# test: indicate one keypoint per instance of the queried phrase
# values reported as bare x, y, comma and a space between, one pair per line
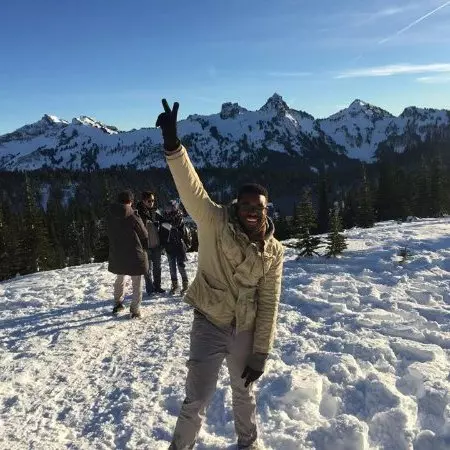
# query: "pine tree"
282, 230
422, 196
324, 207
404, 194
307, 244
306, 214
101, 242
100, 245
294, 225
350, 209
56, 218
336, 240
438, 189
34, 250
386, 198
4, 253
75, 246
11, 255
365, 214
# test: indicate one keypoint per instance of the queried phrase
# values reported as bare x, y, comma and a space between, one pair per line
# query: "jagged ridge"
231, 138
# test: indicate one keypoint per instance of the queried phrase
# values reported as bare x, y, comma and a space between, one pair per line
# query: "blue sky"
115, 59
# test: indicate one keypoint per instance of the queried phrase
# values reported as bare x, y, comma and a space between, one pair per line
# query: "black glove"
167, 121
250, 375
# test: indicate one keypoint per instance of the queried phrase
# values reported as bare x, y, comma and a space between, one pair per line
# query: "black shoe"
118, 307
135, 314
184, 288
173, 290
159, 290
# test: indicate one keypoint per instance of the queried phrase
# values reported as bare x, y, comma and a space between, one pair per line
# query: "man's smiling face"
252, 211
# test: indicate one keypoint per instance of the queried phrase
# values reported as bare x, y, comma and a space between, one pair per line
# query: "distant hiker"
152, 217
128, 242
235, 294
175, 239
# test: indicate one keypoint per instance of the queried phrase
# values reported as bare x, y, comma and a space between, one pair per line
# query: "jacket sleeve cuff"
174, 153
257, 361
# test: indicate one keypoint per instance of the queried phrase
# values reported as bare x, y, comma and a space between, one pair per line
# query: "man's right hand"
167, 121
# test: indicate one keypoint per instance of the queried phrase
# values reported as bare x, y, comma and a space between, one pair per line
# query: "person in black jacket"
152, 217
174, 235
128, 242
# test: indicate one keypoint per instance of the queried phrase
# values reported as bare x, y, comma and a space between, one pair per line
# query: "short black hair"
125, 197
252, 188
147, 195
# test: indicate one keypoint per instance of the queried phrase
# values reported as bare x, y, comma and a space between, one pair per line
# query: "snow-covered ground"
361, 359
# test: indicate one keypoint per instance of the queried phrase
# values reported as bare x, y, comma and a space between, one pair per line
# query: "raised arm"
192, 193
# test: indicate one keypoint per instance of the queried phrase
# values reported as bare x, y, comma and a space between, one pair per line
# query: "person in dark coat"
152, 217
174, 236
128, 243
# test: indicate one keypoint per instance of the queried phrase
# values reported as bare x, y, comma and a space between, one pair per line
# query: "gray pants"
210, 345
119, 289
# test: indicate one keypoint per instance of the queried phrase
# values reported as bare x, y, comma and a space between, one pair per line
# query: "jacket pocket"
214, 299
212, 286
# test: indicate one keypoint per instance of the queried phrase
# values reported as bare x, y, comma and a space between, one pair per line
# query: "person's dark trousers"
177, 260
153, 277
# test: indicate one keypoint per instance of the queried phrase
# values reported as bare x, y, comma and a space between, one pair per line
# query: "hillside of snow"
361, 357
231, 138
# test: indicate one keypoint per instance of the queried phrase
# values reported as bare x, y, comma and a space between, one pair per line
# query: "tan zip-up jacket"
235, 281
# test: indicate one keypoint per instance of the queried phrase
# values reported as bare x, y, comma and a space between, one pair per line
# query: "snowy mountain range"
231, 138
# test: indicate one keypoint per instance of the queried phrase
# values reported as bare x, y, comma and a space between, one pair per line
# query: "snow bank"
361, 358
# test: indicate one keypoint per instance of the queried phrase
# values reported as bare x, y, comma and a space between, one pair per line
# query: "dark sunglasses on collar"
251, 209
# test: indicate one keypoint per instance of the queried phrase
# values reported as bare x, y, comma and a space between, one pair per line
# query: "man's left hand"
250, 375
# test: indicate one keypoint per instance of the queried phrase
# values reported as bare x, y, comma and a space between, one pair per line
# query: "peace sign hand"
167, 121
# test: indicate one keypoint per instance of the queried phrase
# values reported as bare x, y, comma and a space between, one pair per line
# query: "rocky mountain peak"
275, 103
231, 110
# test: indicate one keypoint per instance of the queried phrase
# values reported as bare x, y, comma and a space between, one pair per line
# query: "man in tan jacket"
235, 294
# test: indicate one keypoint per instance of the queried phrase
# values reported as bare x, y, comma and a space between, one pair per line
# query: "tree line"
50, 219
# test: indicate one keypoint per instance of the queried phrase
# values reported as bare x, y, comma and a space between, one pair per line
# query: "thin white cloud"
387, 12
415, 22
434, 80
395, 69
289, 74
390, 11
358, 18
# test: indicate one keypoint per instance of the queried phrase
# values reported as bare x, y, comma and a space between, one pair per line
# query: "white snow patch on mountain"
361, 127
56, 119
